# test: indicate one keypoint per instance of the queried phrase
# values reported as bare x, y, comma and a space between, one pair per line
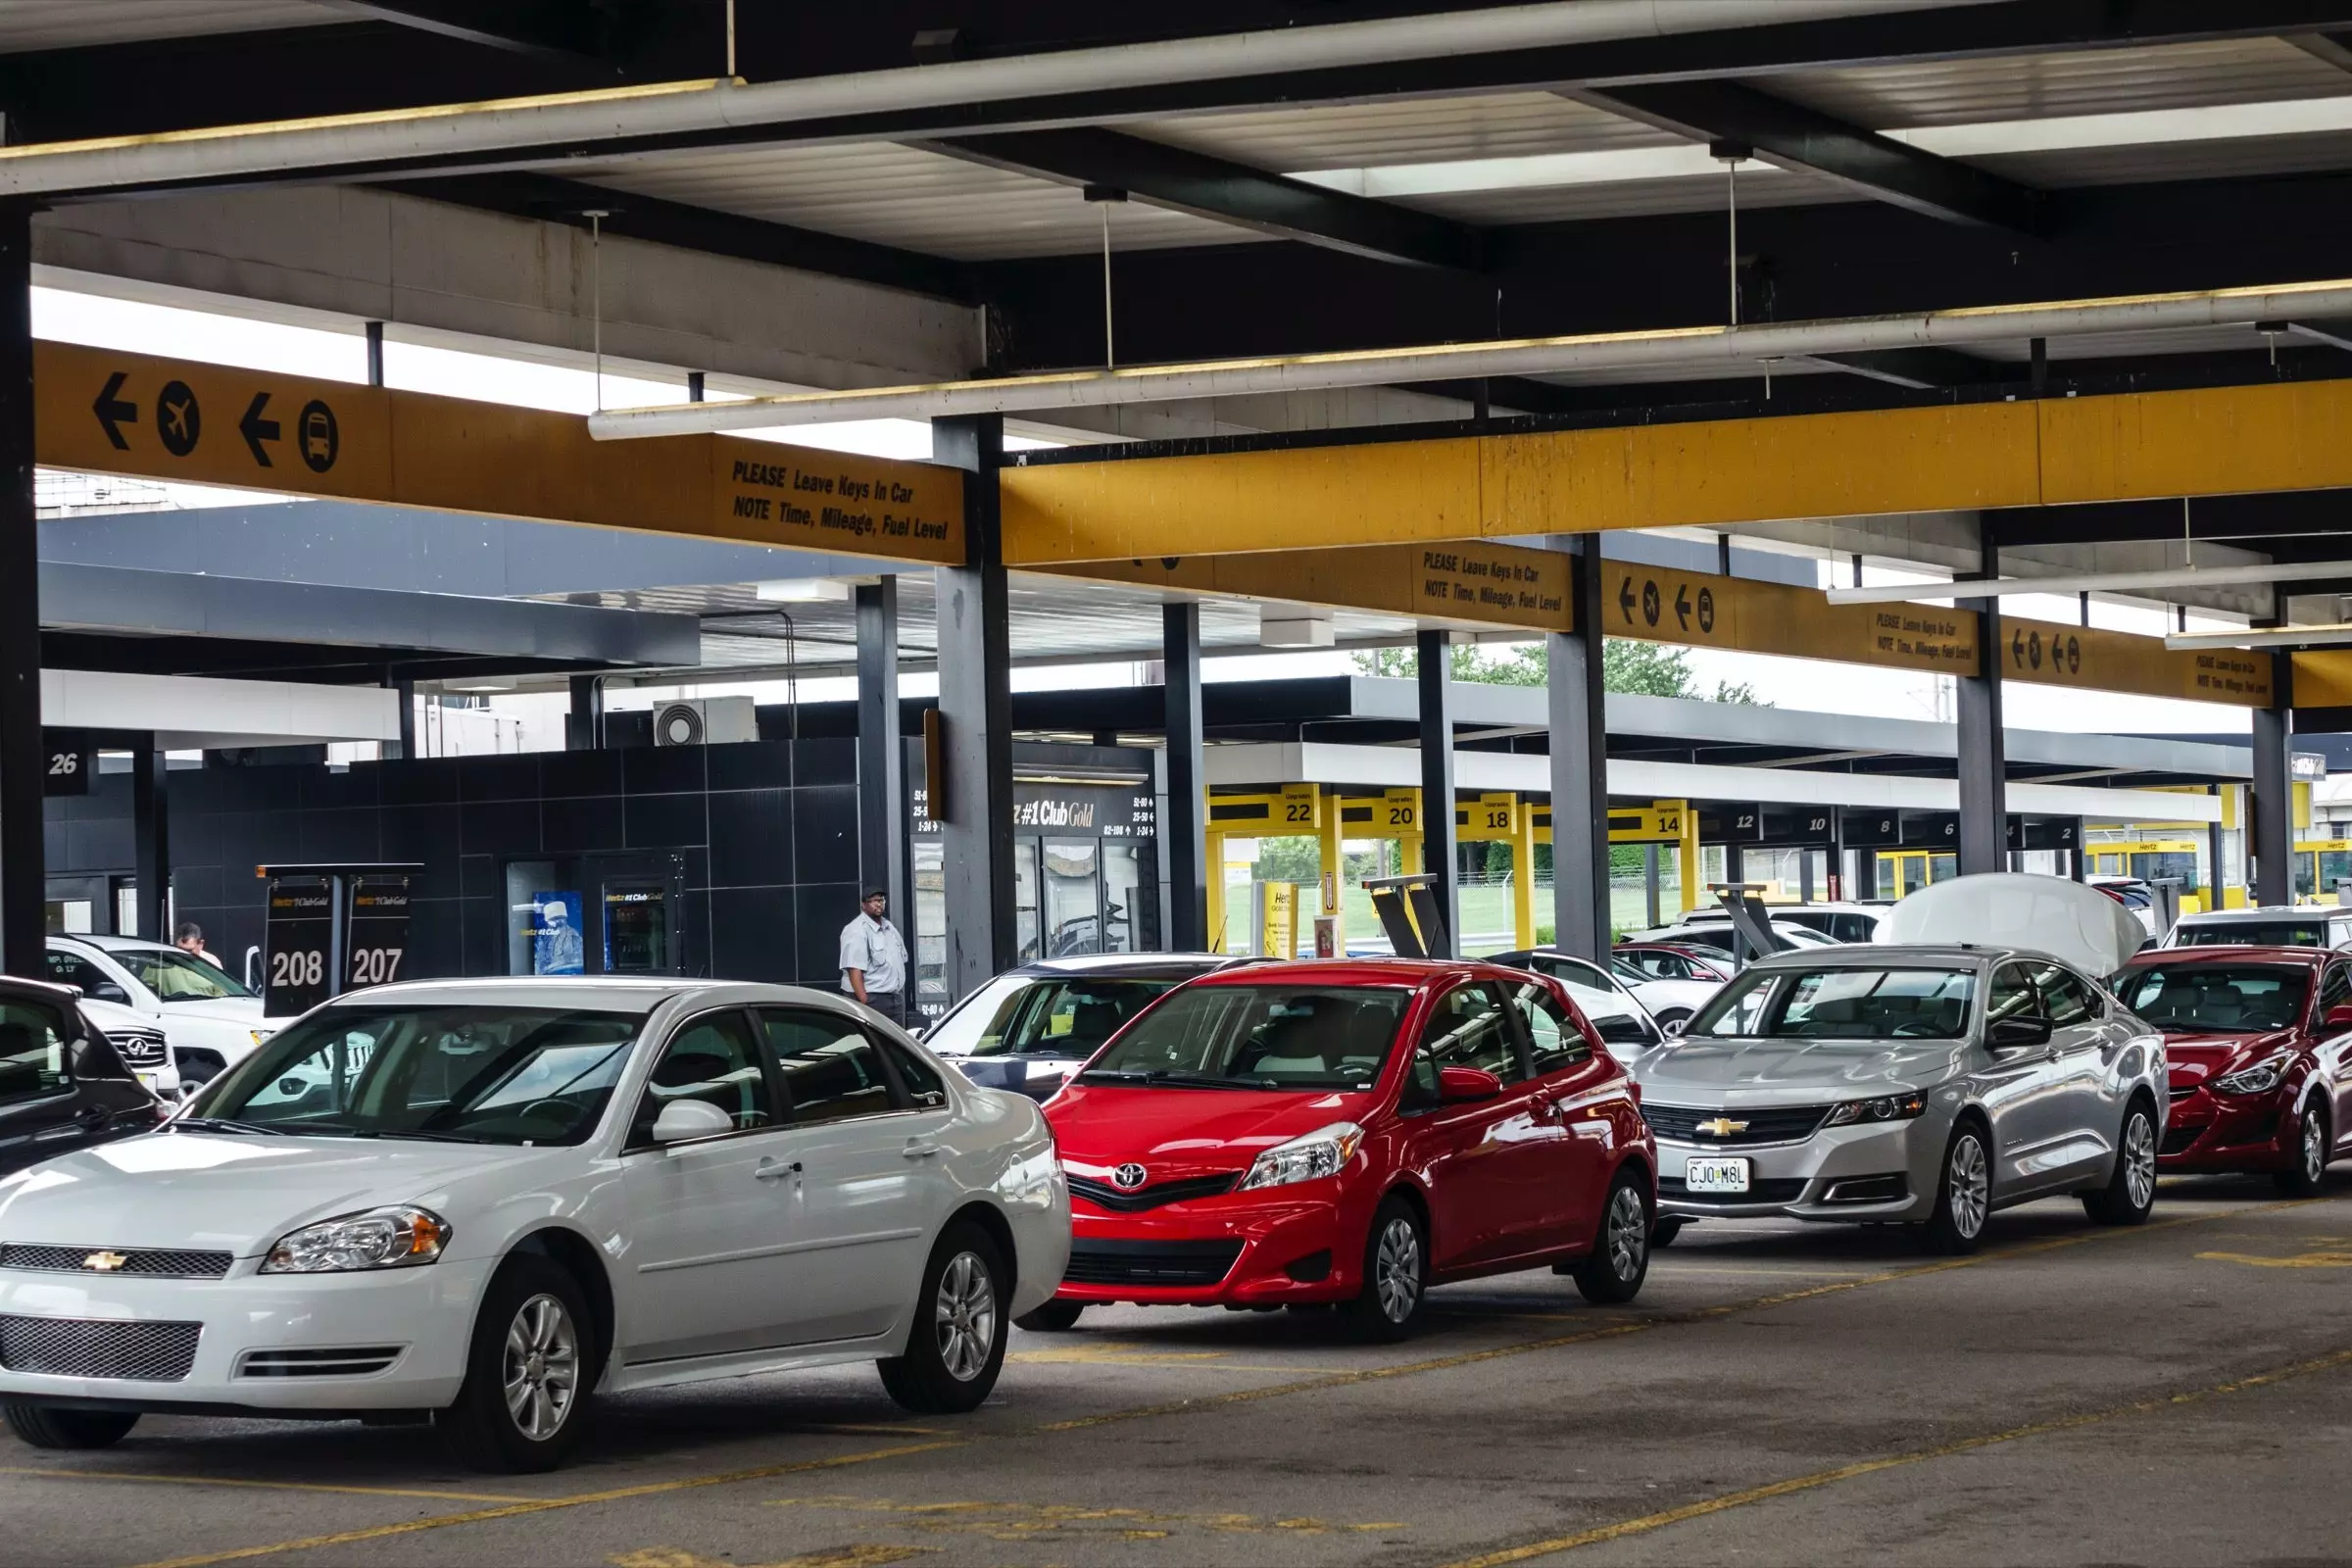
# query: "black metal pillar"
23, 883
2216, 880
151, 842
2273, 836
375, 352
975, 712
2079, 861
1983, 765
586, 730
404, 694
1865, 883
1185, 829
1580, 770
881, 753
1434, 669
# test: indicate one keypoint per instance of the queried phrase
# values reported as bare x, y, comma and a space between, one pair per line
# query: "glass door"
1074, 896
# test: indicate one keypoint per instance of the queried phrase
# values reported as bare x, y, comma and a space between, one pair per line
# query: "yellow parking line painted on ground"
2299, 1261
262, 1485
862, 1555
1825, 1478
650, 1488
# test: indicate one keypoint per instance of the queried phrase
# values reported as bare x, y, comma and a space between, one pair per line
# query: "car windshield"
2253, 934
1259, 1037
2216, 999
463, 1073
1066, 1018
1840, 1003
175, 976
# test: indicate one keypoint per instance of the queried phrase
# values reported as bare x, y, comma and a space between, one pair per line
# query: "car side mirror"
1460, 1085
108, 991
684, 1121
2338, 1016
2019, 1034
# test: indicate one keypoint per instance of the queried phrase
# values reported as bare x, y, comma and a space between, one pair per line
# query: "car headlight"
2259, 1079
1325, 1152
1891, 1108
398, 1237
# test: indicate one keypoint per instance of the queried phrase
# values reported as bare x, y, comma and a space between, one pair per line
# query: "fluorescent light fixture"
2263, 637
1616, 166
1293, 626
807, 590
2100, 582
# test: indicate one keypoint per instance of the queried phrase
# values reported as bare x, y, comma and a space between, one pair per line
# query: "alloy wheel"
1970, 1184
2139, 1160
542, 1367
1628, 1233
965, 1315
1396, 1269
2315, 1147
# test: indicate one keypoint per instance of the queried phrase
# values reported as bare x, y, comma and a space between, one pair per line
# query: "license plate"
1715, 1175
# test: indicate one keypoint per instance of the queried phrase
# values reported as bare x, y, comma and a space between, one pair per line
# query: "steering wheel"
561, 1111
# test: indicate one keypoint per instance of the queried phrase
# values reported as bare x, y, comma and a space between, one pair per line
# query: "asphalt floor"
2177, 1393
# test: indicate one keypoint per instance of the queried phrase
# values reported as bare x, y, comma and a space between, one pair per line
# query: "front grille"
2177, 1140
1765, 1190
137, 1262
1771, 1124
1159, 1263
1104, 1196
91, 1348
357, 1362
137, 1047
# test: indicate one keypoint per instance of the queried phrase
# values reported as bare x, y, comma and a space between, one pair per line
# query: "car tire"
1667, 1228
1672, 1015
1963, 1193
956, 1345
1396, 1286
1055, 1317
533, 1362
46, 1426
2131, 1191
2307, 1177
1620, 1259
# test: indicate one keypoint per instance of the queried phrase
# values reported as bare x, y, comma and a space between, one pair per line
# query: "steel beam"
561, 28
1183, 832
2271, 803
882, 823
974, 789
151, 840
1983, 771
1579, 780
1434, 672
23, 886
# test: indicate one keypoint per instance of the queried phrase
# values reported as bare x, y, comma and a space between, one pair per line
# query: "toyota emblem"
1127, 1178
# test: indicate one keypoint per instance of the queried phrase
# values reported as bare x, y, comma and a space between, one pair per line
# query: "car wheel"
523, 1407
1396, 1274
955, 1346
2131, 1193
1620, 1259
1663, 1231
1055, 1317
46, 1426
2308, 1175
1964, 1196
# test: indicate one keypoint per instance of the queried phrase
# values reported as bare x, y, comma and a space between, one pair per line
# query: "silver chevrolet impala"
1924, 1085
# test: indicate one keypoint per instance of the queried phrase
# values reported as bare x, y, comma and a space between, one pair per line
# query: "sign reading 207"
174, 418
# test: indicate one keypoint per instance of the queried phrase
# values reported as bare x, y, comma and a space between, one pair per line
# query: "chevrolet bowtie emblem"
104, 1263
1722, 1127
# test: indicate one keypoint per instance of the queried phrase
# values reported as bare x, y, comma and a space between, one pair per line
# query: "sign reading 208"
178, 418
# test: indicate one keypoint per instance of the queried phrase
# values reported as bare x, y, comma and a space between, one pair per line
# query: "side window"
832, 1068
917, 1077
2012, 995
2065, 996
1616, 1016
1554, 1040
1467, 1029
32, 1054
73, 969
712, 1059
2336, 988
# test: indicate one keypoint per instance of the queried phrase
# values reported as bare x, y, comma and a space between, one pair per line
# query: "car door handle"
770, 1170
920, 1150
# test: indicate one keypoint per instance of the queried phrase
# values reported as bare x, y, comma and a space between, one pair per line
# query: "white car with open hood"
1968, 1060
488, 1199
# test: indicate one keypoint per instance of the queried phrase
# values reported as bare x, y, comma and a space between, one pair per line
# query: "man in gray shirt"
873, 960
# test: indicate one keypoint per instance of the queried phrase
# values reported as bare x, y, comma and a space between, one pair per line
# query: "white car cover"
2065, 919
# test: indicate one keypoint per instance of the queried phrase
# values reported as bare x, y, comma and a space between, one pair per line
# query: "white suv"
209, 1019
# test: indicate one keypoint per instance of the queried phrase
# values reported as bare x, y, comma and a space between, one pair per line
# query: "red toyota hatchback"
2259, 1042
1349, 1134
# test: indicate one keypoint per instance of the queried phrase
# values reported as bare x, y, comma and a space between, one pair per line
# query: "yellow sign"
2098, 660
1708, 611
1278, 920
1658, 823
1394, 813
98, 410
1486, 584
1293, 812
1490, 816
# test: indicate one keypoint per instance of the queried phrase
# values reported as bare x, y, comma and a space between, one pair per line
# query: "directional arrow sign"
1682, 605
114, 412
2017, 648
1625, 599
256, 429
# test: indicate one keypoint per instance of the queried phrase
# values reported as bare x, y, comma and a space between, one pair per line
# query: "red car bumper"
2209, 1132
1260, 1248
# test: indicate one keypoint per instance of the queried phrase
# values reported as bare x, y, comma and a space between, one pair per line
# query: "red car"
2259, 1041
1348, 1134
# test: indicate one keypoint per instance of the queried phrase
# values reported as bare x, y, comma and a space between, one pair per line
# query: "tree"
1641, 668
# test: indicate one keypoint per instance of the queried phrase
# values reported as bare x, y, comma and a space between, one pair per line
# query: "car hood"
246, 1011
234, 1193
1178, 1131
2193, 1058
1038, 1077
1759, 1071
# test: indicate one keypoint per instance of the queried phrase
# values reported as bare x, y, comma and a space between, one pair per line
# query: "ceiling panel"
2242, 156
1418, 130
1632, 198
27, 25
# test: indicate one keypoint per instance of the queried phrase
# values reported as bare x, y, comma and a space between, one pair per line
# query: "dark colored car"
1029, 1028
2259, 1045
63, 1086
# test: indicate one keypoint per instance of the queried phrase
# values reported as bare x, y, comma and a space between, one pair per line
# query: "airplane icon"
178, 421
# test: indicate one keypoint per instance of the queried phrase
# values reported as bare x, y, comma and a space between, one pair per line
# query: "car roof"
2276, 911
1142, 966
1357, 972
1896, 956
2231, 952
107, 944
590, 993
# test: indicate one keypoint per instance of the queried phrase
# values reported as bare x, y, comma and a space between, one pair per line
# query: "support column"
2271, 803
1332, 857
1434, 668
1866, 874
881, 755
1212, 860
1185, 832
1649, 884
151, 846
586, 731
975, 712
1523, 873
1580, 768
404, 692
1686, 860
24, 886
2213, 854
1983, 765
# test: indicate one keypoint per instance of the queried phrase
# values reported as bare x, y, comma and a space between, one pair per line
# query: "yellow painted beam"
1469, 580
1523, 875
99, 411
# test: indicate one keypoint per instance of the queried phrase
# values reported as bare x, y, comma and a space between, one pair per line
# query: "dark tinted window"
832, 1068
32, 1054
714, 1061
1842, 1004
1616, 1017
2012, 995
2064, 996
2336, 989
1068, 1018
1260, 1037
1554, 1040
73, 969
921, 1078
2216, 997
1467, 1029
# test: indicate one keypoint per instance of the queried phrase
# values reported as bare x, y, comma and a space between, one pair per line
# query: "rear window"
32, 1054
2253, 934
2216, 997
1844, 1004
1068, 1018
1259, 1037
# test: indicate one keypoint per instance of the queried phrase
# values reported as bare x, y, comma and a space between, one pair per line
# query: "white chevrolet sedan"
489, 1199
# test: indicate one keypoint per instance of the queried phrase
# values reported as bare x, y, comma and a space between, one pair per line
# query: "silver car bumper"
1869, 1172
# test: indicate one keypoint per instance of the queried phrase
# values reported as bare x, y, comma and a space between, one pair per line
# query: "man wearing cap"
873, 960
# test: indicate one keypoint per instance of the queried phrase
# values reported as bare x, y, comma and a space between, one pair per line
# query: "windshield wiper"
221, 1124
1180, 1080
418, 1134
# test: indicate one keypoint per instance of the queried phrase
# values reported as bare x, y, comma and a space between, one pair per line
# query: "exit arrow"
1625, 601
256, 429
2017, 649
1682, 605
113, 412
